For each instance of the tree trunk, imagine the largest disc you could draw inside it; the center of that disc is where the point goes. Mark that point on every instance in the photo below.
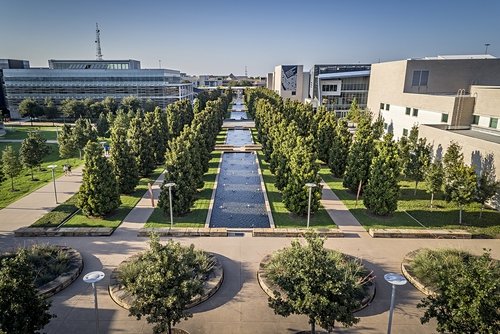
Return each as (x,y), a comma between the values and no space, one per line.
(481,212)
(12,183)
(32,175)
(432,198)
(312,321)
(169,328)
(80,151)
(416,186)
(31,119)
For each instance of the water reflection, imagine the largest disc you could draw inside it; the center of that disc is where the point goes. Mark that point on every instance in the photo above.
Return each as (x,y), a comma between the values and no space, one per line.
(238,137)
(239,201)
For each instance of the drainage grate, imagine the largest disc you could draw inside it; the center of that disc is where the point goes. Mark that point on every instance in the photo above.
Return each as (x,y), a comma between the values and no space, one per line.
(236,234)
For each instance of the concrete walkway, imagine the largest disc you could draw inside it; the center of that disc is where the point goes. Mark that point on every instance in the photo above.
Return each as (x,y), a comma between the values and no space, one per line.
(140,214)
(28,209)
(51,141)
(340,214)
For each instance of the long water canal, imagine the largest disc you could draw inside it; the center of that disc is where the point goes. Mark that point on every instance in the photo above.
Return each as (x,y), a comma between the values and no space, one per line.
(239,199)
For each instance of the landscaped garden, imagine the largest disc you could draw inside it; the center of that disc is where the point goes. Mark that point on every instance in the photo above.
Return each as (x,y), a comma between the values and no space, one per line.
(114,218)
(47,262)
(23,184)
(414,210)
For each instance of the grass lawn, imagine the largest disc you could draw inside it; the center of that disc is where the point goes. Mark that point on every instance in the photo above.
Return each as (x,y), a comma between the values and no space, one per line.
(55,217)
(199,211)
(221,137)
(443,216)
(254,136)
(282,217)
(115,218)
(23,183)
(21,132)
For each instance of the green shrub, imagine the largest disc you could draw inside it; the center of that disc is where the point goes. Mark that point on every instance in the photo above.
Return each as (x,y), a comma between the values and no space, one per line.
(47,262)
(427,263)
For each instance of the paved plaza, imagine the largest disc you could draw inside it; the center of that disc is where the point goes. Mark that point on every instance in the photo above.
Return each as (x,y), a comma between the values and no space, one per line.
(240,306)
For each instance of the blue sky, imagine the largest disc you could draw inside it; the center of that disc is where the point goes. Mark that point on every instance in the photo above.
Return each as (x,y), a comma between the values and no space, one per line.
(217,36)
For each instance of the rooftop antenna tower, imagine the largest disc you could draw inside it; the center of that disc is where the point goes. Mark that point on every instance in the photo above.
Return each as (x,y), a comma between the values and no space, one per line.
(98,42)
(246,72)
(486,48)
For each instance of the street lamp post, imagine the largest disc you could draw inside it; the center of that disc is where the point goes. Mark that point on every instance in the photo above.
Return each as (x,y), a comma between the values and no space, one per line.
(170,185)
(53,167)
(92,278)
(394,279)
(310,186)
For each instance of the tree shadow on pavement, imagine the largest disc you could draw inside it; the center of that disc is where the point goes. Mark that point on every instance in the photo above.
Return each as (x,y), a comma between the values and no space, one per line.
(235,275)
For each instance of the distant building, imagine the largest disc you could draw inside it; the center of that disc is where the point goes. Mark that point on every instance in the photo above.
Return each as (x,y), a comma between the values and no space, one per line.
(94,79)
(290,82)
(335,86)
(448,97)
(270,81)
(4,65)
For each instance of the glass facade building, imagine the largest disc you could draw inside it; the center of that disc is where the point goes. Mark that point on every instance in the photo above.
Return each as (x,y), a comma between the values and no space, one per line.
(336,86)
(95,80)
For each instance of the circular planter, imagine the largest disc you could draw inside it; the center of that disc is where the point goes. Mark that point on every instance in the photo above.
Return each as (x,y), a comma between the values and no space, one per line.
(124,299)
(178,331)
(267,286)
(405,269)
(65,279)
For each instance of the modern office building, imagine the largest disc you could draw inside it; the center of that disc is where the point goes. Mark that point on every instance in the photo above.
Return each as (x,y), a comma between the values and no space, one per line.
(290,82)
(95,79)
(335,86)
(448,97)
(4,65)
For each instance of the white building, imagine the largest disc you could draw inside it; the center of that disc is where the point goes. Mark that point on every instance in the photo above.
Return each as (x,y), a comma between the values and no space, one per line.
(290,82)
(449,98)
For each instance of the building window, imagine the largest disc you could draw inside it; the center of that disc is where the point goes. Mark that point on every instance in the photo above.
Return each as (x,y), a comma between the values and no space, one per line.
(444,118)
(294,92)
(385,126)
(405,132)
(475,119)
(493,122)
(329,88)
(408,111)
(420,78)
(381,106)
(415,112)
(387,106)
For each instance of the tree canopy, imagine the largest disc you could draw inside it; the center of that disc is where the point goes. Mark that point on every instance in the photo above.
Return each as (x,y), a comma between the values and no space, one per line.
(22,309)
(99,193)
(164,281)
(322,284)
(467,298)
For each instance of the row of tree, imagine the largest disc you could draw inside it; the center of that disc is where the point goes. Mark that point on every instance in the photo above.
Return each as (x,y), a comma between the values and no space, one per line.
(188,154)
(288,147)
(369,165)
(139,143)
(88,108)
